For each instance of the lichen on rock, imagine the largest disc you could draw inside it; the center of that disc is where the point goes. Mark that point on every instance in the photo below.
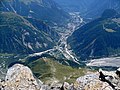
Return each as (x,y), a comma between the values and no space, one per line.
(20,77)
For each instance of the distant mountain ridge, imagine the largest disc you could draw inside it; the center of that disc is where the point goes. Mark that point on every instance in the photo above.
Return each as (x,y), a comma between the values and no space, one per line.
(89,8)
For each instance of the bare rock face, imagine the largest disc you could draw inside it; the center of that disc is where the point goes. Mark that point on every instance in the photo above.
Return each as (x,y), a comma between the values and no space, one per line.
(104,80)
(112,78)
(20,77)
(91,82)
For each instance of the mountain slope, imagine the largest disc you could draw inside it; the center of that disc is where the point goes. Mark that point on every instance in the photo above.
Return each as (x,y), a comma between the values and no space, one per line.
(17,35)
(99,38)
(46,10)
(40,25)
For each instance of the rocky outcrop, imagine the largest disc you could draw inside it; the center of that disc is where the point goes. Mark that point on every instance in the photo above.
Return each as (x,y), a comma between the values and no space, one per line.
(104,80)
(20,77)
(112,78)
(91,82)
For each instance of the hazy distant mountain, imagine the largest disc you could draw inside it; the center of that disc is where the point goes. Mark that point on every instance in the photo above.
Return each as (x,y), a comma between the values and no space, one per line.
(98,6)
(89,8)
(99,38)
(19,36)
(46,10)
(74,5)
